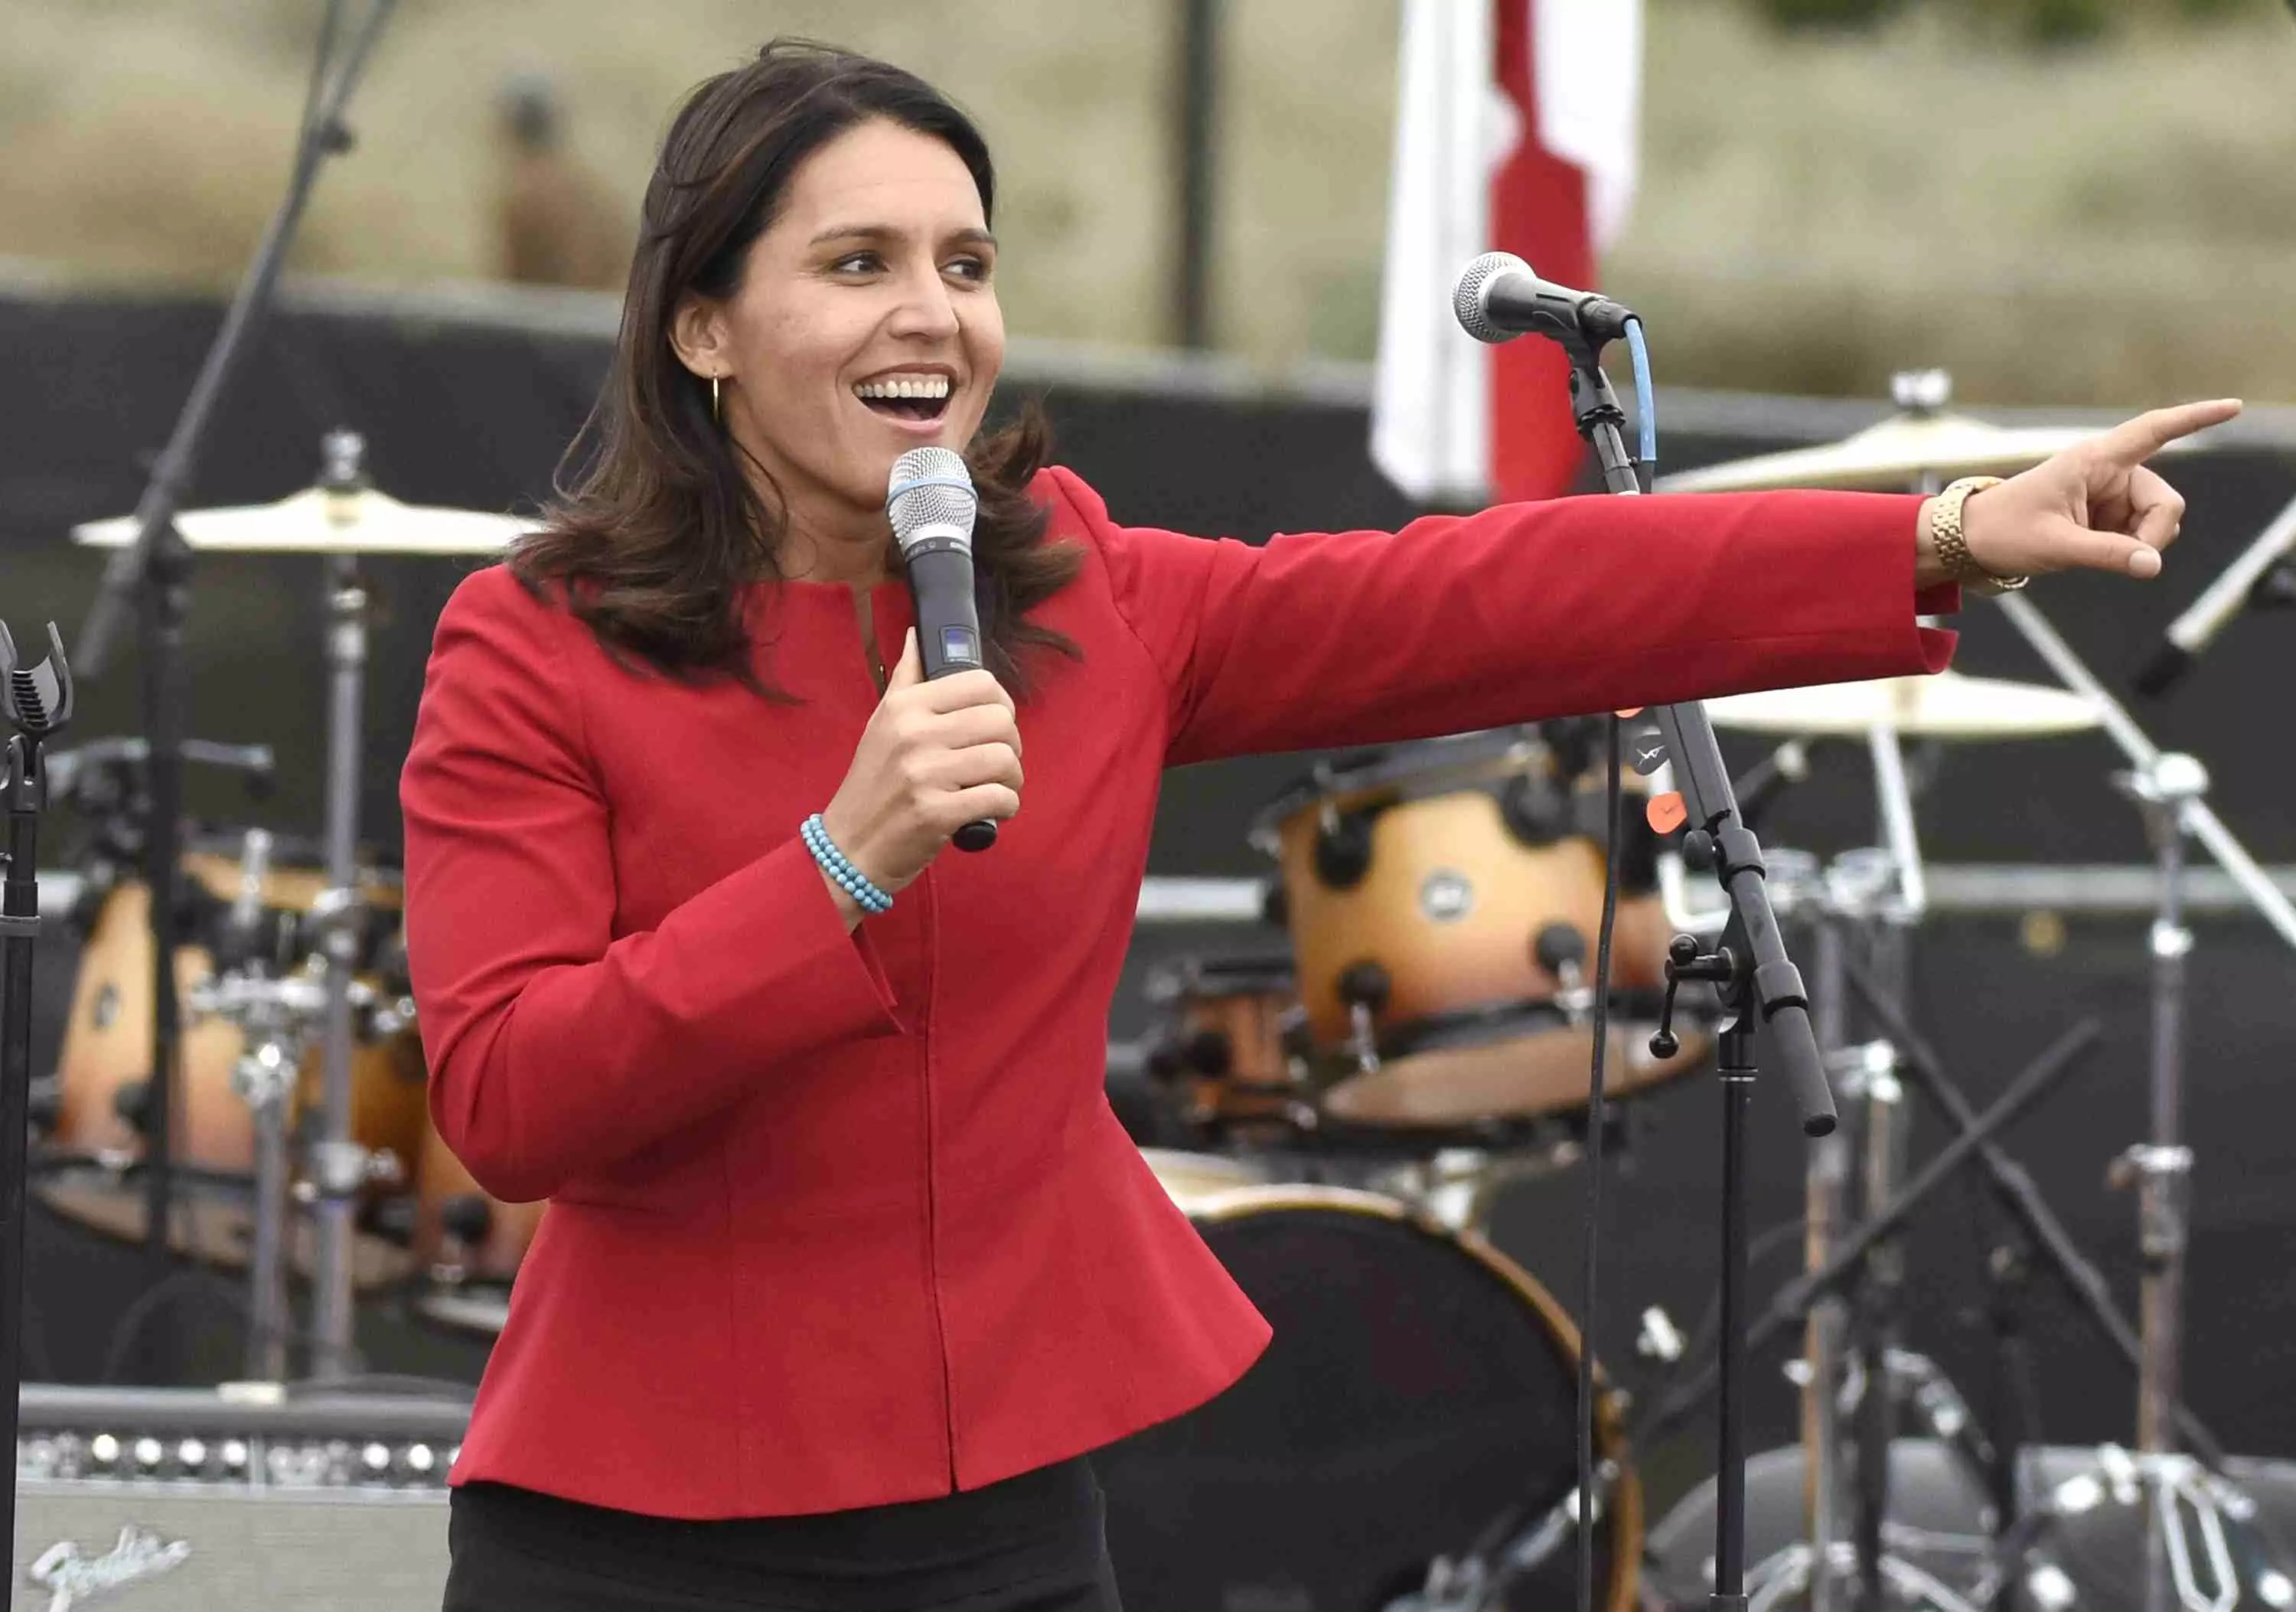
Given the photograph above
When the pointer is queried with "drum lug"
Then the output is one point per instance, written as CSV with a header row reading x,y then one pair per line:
x,y
1560,949
1342,848
1536,812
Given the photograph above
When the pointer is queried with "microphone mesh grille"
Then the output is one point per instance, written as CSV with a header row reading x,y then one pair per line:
x,y
942,506
1467,299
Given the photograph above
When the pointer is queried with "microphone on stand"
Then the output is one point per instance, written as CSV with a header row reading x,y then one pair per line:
x,y
931,500
2250,580
1500,297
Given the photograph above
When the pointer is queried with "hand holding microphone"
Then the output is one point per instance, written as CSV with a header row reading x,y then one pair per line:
x,y
938,755
940,760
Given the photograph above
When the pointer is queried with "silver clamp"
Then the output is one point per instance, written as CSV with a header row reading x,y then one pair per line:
x,y
2147,1161
1868,1071
338,1172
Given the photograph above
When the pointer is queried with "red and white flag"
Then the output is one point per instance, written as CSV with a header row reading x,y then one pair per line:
x,y
1514,132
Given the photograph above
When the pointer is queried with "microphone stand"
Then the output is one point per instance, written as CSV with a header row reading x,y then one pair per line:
x,y
1756,982
152,575
38,702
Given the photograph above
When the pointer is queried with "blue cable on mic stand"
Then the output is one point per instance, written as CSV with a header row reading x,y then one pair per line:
x,y
1646,409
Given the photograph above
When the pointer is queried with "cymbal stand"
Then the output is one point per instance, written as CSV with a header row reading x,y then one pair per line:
x,y
338,1168
2161,1167
2168,788
152,576
1825,1186
1853,904
264,1078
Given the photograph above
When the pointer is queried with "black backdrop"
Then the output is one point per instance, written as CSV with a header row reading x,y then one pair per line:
x,y
468,404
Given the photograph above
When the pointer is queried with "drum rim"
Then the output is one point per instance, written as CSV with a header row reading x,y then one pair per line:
x,y
1456,760
1171,979
1626,1511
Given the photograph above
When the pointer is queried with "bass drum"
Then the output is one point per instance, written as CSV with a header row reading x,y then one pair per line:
x,y
1420,1386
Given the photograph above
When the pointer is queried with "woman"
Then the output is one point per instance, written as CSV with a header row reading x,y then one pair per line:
x,y
848,1264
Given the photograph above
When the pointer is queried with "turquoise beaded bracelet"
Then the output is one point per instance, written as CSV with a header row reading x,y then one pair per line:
x,y
850,878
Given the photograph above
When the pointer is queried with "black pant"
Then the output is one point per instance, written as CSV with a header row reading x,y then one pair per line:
x,y
1033,1544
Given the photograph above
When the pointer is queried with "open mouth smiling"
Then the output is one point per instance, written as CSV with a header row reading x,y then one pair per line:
x,y
914,395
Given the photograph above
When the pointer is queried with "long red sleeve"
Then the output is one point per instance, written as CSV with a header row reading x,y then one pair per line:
x,y
556,1046
1518,614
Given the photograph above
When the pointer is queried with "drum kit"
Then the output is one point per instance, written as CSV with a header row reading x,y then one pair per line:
x,y
1349,1105
1426,1039
298,1133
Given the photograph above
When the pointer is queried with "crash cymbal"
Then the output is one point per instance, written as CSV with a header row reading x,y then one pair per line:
x,y
1892,455
1945,705
318,522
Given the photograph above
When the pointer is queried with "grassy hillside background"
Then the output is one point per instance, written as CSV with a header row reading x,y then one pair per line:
x,y
2093,222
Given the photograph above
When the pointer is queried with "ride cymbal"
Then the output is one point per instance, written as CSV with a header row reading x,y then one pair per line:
x,y
1943,705
1891,456
317,521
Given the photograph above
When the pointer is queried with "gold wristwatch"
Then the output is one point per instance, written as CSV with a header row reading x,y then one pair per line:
x,y
1953,548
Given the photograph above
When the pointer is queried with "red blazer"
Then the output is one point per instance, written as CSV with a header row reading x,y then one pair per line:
x,y
842,1220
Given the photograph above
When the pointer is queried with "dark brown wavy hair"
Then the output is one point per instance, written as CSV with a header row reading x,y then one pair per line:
x,y
656,530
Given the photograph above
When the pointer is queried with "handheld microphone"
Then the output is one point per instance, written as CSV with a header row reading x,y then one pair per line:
x,y
931,500
1500,297
2244,582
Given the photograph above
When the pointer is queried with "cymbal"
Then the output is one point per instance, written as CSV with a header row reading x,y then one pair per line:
x,y
1890,455
1522,1077
316,520
1944,705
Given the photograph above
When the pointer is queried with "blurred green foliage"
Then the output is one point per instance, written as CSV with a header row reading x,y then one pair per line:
x,y
2040,22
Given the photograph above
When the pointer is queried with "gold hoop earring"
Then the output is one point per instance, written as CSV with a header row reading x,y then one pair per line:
x,y
714,413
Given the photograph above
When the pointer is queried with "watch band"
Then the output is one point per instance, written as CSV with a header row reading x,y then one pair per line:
x,y
1953,547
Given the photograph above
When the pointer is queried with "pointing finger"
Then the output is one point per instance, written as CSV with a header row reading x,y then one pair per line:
x,y
2133,442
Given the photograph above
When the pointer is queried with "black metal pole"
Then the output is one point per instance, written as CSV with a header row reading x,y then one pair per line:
x,y
1195,171
151,572
1758,985
165,602
38,701
20,917
1734,1063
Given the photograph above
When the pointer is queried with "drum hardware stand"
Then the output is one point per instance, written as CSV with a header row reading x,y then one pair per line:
x,y
2161,1169
153,574
37,703
2169,789
338,1168
1794,1303
2180,1478
2013,1187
